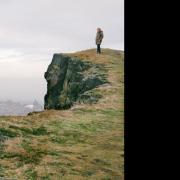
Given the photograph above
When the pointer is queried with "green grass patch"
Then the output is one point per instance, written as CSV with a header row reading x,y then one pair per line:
x,y
34,131
2,169
39,131
31,174
7,133
87,173
69,137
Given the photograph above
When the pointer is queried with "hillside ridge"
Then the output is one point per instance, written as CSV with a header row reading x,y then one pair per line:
x,y
72,80
84,142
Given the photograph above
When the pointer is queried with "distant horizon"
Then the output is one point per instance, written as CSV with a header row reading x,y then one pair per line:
x,y
32,31
27,102
30,80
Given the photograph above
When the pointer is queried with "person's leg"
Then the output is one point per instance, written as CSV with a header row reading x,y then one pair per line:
x,y
98,48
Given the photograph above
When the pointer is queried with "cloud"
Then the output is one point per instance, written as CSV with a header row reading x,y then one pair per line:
x,y
8,54
54,23
32,31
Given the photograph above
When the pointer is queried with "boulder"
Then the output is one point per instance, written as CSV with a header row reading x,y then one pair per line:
x,y
71,80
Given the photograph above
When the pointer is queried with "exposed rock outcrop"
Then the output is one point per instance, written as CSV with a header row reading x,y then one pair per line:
x,y
71,80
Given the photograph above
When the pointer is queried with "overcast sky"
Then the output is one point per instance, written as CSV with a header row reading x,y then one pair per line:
x,y
31,31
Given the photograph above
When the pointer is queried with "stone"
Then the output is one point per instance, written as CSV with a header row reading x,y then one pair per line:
x,y
71,80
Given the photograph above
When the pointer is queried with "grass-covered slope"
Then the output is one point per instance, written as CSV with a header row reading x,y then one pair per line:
x,y
84,142
71,80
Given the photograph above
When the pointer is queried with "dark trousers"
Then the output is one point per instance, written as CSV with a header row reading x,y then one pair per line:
x,y
98,48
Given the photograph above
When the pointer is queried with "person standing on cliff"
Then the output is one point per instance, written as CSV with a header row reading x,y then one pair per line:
x,y
99,37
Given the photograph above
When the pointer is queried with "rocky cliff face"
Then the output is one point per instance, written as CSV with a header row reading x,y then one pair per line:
x,y
71,80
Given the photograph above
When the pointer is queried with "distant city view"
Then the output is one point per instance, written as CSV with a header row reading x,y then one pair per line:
x,y
10,108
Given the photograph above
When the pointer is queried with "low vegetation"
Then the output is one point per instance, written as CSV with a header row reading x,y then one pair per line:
x,y
84,142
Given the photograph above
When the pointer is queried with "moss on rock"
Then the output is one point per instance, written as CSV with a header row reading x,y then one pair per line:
x,y
70,79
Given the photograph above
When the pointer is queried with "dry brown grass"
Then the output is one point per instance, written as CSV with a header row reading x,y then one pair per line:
x,y
85,142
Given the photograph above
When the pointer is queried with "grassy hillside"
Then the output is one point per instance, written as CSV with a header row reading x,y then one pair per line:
x,y
85,142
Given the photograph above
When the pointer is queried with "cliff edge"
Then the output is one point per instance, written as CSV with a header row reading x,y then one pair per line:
x,y
83,142
71,79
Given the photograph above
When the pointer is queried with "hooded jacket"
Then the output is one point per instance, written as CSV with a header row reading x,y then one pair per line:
x,y
99,37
